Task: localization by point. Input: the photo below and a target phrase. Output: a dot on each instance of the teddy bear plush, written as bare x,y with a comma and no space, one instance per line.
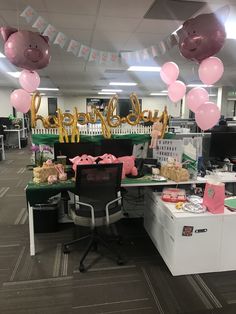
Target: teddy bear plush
155,134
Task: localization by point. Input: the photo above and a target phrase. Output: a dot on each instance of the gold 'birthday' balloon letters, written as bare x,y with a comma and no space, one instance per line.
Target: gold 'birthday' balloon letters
67,122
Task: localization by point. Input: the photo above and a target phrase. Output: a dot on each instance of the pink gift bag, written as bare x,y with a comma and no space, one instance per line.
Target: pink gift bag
213,198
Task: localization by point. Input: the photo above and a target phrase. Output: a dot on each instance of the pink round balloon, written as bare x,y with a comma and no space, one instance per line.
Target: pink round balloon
211,70
29,80
196,97
207,115
176,91
21,100
169,72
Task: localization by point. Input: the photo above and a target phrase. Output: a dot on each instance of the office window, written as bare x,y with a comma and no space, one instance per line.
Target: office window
52,106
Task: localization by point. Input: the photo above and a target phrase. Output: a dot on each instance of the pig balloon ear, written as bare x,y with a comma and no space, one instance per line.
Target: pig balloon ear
222,13
46,38
6,32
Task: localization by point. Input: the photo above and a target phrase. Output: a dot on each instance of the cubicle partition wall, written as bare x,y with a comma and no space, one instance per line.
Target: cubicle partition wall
116,147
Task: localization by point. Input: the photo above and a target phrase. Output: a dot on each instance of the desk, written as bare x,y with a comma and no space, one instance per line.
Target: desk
22,131
39,193
2,147
205,247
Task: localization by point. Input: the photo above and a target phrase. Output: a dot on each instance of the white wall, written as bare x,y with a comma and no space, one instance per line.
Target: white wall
68,103
148,103
5,107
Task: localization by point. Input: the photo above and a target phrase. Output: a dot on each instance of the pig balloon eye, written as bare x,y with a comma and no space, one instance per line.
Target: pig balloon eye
30,46
36,46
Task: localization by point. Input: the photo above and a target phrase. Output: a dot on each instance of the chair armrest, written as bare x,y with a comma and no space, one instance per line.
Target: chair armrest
107,207
92,211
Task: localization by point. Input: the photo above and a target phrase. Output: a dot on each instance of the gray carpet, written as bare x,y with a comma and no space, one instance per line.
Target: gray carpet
51,283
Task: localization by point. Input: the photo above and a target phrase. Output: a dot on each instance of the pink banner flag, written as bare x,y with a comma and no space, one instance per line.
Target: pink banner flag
145,54
84,52
154,51
103,57
50,31
73,47
60,39
28,14
40,24
114,57
94,55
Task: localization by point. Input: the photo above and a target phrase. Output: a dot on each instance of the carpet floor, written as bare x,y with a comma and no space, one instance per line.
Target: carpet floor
50,282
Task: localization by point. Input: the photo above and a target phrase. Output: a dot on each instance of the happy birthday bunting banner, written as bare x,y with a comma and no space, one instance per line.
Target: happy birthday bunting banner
40,24
50,31
84,52
73,47
94,55
29,14
103,57
60,39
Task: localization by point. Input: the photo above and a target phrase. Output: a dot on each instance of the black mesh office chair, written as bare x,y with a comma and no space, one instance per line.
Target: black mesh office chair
97,203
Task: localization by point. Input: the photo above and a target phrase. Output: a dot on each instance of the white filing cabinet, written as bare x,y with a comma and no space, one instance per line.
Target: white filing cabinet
190,243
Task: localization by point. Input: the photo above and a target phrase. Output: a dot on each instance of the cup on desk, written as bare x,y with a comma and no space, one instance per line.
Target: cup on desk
61,160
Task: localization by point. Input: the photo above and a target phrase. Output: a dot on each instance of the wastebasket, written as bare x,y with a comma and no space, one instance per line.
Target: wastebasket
46,216
23,141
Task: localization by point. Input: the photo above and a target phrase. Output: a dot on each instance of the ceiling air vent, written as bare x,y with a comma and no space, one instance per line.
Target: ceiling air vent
173,9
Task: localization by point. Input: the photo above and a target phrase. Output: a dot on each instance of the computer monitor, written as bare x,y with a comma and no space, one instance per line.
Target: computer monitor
117,147
74,149
222,145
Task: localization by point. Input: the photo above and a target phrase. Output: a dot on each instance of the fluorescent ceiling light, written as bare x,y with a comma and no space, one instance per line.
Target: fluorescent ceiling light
229,28
199,85
48,88
212,95
123,83
144,69
158,94
14,74
106,93
2,55
112,90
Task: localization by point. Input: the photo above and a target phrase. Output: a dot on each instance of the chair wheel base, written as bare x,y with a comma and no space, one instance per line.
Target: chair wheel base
81,268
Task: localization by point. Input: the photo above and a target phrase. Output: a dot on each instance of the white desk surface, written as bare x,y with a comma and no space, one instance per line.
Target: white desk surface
179,213
225,177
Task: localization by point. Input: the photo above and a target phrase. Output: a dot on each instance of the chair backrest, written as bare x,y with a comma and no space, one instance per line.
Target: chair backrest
98,183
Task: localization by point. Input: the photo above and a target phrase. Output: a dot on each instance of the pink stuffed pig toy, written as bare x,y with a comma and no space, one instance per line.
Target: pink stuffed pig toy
107,159
128,166
82,160
26,49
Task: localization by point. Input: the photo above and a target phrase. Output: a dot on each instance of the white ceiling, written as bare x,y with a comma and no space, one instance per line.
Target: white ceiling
109,25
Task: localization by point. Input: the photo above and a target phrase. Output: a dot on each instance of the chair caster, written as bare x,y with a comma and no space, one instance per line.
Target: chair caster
81,268
120,261
66,250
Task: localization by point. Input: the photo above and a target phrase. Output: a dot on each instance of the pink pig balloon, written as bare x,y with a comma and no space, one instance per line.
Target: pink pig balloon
196,97
204,35
29,80
211,70
169,72
176,91
207,115
21,100
26,49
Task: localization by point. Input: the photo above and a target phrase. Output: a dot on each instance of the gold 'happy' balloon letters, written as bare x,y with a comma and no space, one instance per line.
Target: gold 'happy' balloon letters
70,122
